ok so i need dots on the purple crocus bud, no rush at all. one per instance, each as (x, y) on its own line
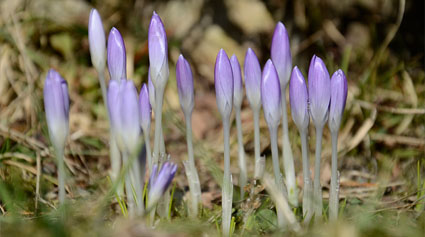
(185, 84)
(298, 97)
(159, 182)
(338, 99)
(145, 109)
(158, 52)
(252, 72)
(151, 89)
(237, 82)
(319, 91)
(124, 112)
(97, 41)
(56, 105)
(223, 80)
(116, 55)
(281, 54)
(270, 94)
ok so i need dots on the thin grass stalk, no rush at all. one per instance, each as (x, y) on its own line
(334, 190)
(308, 186)
(193, 178)
(241, 152)
(317, 193)
(277, 175)
(288, 159)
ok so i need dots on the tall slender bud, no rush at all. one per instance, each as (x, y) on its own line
(281, 54)
(158, 52)
(160, 181)
(319, 88)
(56, 105)
(185, 84)
(223, 79)
(270, 94)
(298, 97)
(116, 55)
(338, 99)
(145, 109)
(237, 82)
(97, 41)
(252, 72)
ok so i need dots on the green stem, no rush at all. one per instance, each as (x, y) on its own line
(334, 189)
(227, 183)
(148, 149)
(307, 192)
(241, 152)
(288, 159)
(258, 172)
(317, 187)
(159, 93)
(128, 187)
(61, 174)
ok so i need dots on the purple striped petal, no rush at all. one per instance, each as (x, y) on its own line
(270, 94)
(281, 54)
(319, 91)
(338, 99)
(185, 84)
(116, 55)
(158, 51)
(145, 109)
(237, 82)
(223, 80)
(298, 98)
(252, 72)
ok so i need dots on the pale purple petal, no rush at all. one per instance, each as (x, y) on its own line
(129, 112)
(158, 51)
(298, 98)
(338, 99)
(252, 71)
(237, 82)
(270, 94)
(185, 84)
(145, 109)
(116, 55)
(281, 54)
(319, 90)
(97, 40)
(223, 80)
(113, 102)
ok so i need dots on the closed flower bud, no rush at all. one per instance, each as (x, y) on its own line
(56, 105)
(116, 55)
(145, 109)
(281, 54)
(185, 84)
(159, 182)
(223, 80)
(237, 82)
(124, 112)
(338, 99)
(319, 91)
(252, 72)
(151, 89)
(298, 97)
(158, 52)
(270, 94)
(97, 41)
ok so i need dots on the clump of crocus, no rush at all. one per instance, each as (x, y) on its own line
(124, 114)
(298, 97)
(145, 120)
(56, 105)
(270, 96)
(185, 89)
(223, 80)
(237, 102)
(252, 72)
(319, 92)
(159, 72)
(336, 110)
(159, 182)
(281, 57)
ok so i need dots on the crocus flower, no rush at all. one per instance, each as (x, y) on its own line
(252, 72)
(185, 84)
(338, 98)
(56, 105)
(281, 54)
(97, 40)
(298, 97)
(116, 55)
(319, 91)
(223, 80)
(237, 82)
(145, 109)
(160, 181)
(158, 51)
(270, 94)
(124, 114)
